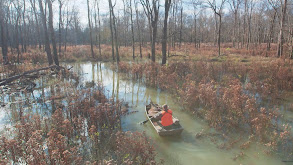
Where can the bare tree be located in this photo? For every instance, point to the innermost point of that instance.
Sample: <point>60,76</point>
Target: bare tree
<point>132,29</point>
<point>282,23</point>
<point>90,27</point>
<point>234,6</point>
<point>151,9</point>
<point>17,6</point>
<point>98,29</point>
<point>138,29</point>
<point>3,33</point>
<point>60,25</point>
<point>47,41</point>
<point>164,39</point>
<point>55,54</point>
<point>33,4</point>
<point>111,6</point>
<point>217,9</point>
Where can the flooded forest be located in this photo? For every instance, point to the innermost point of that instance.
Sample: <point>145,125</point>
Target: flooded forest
<point>79,81</point>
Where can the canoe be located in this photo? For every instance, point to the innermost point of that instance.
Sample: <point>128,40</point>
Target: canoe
<point>175,129</point>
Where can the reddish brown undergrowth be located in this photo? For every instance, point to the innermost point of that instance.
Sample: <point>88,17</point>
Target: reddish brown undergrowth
<point>232,97</point>
<point>85,126</point>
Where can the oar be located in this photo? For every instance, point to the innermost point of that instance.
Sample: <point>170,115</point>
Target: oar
<point>143,122</point>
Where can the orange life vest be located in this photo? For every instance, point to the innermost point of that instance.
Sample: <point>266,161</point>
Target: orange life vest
<point>167,119</point>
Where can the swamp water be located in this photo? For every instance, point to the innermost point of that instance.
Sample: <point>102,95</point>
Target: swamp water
<point>185,149</point>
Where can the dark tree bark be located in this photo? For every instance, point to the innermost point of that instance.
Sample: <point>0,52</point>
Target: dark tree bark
<point>280,37</point>
<point>33,4</point>
<point>132,30</point>
<point>152,12</point>
<point>218,12</point>
<point>181,26</point>
<point>3,35</point>
<point>115,31</point>
<point>47,42</point>
<point>17,28</point>
<point>55,54</point>
<point>164,39</point>
<point>60,26</point>
<point>111,29</point>
<point>90,27</point>
<point>138,29</point>
<point>99,31</point>
<point>269,40</point>
<point>24,31</point>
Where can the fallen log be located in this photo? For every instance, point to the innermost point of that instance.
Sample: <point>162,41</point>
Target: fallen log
<point>12,78</point>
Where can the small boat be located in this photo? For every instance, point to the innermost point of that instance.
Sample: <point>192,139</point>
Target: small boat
<point>175,129</point>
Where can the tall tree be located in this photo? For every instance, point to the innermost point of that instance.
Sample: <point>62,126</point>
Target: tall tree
<point>151,9</point>
<point>60,25</point>
<point>47,41</point>
<point>282,23</point>
<point>3,33</point>
<point>164,39</point>
<point>90,27</point>
<point>52,32</point>
<point>17,6</point>
<point>132,29</point>
<point>115,30</point>
<point>33,4</point>
<point>112,32</point>
<point>217,9</point>
<point>234,6</point>
<point>99,28</point>
<point>138,29</point>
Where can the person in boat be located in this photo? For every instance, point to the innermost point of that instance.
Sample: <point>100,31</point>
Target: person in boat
<point>165,115</point>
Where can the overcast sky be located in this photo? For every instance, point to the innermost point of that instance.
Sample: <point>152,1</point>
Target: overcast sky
<point>81,6</point>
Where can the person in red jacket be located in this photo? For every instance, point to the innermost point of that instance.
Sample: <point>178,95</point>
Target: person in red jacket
<point>165,115</point>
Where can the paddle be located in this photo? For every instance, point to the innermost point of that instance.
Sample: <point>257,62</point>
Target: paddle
<point>143,122</point>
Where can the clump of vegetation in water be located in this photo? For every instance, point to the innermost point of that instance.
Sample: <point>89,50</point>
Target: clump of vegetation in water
<point>84,126</point>
<point>232,97</point>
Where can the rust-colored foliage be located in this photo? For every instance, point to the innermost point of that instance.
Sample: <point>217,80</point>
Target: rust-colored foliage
<point>233,97</point>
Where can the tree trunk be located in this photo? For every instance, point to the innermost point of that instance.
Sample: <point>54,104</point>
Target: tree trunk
<point>99,31</point>
<point>24,33</point>
<point>154,30</point>
<point>115,34</point>
<point>17,37</point>
<point>138,29</point>
<point>3,36</point>
<point>181,26</point>
<point>195,32</point>
<point>132,31</point>
<point>90,27</point>
<point>60,26</point>
<point>271,31</point>
<point>111,29</point>
<point>164,39</point>
<point>33,4</point>
<point>219,35</point>
<point>47,42</point>
<point>280,37</point>
<point>55,55</point>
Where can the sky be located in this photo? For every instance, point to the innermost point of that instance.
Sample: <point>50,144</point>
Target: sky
<point>81,6</point>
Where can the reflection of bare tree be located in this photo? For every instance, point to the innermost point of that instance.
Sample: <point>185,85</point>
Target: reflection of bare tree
<point>132,93</point>
<point>101,72</point>
<point>52,90</point>
<point>117,87</point>
<point>93,72</point>
<point>113,90</point>
<point>137,99</point>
